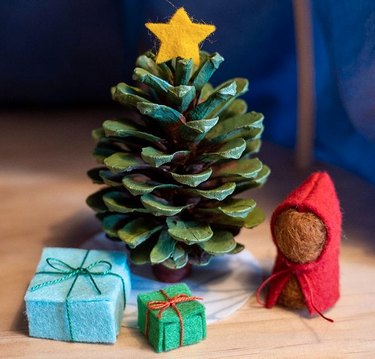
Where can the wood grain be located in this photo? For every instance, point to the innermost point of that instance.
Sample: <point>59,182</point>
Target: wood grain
<point>43,189</point>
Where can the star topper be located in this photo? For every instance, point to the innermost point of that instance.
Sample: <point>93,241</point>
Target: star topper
<point>180,37</point>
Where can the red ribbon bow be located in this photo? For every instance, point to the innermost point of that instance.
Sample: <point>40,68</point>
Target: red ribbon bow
<point>162,305</point>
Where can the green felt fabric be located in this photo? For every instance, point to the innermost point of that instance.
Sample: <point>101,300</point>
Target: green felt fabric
<point>94,317</point>
<point>164,333</point>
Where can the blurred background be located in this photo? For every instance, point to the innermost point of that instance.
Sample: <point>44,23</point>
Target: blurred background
<point>63,54</point>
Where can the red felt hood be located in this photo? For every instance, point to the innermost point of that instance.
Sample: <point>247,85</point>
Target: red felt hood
<point>319,280</point>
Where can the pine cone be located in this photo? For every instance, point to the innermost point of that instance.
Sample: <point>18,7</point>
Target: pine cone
<point>172,167</point>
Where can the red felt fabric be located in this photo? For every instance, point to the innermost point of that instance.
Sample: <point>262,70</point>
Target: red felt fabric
<point>319,280</point>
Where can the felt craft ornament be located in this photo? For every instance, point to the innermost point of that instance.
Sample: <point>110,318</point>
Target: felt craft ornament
<point>180,37</point>
<point>171,317</point>
<point>173,165</point>
<point>78,295</point>
<point>306,229</point>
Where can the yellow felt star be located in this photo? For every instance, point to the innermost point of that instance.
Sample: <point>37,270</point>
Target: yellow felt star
<point>180,37</point>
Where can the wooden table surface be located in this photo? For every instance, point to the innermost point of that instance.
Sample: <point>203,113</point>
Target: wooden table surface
<point>43,187</point>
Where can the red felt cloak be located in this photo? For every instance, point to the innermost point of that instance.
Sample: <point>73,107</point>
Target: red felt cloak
<point>319,280</point>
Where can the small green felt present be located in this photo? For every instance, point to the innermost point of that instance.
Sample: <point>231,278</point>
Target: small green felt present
<point>162,326</point>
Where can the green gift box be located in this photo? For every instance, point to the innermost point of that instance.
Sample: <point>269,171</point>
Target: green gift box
<point>171,317</point>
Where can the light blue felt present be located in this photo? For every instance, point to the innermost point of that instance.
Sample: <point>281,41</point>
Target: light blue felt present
<point>78,295</point>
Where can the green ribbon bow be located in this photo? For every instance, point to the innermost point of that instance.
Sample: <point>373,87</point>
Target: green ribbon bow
<point>67,272</point>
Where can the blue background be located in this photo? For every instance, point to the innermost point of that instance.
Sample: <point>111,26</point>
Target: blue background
<point>69,52</point>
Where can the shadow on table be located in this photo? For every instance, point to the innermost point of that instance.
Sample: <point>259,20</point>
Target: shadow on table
<point>19,323</point>
<point>74,231</point>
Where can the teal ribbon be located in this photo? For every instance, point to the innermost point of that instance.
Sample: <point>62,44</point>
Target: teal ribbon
<point>67,272</point>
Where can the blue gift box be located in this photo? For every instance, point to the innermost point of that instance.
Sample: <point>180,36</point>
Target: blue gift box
<point>78,295</point>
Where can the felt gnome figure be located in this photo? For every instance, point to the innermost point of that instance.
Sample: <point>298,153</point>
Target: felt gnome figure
<point>306,229</point>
